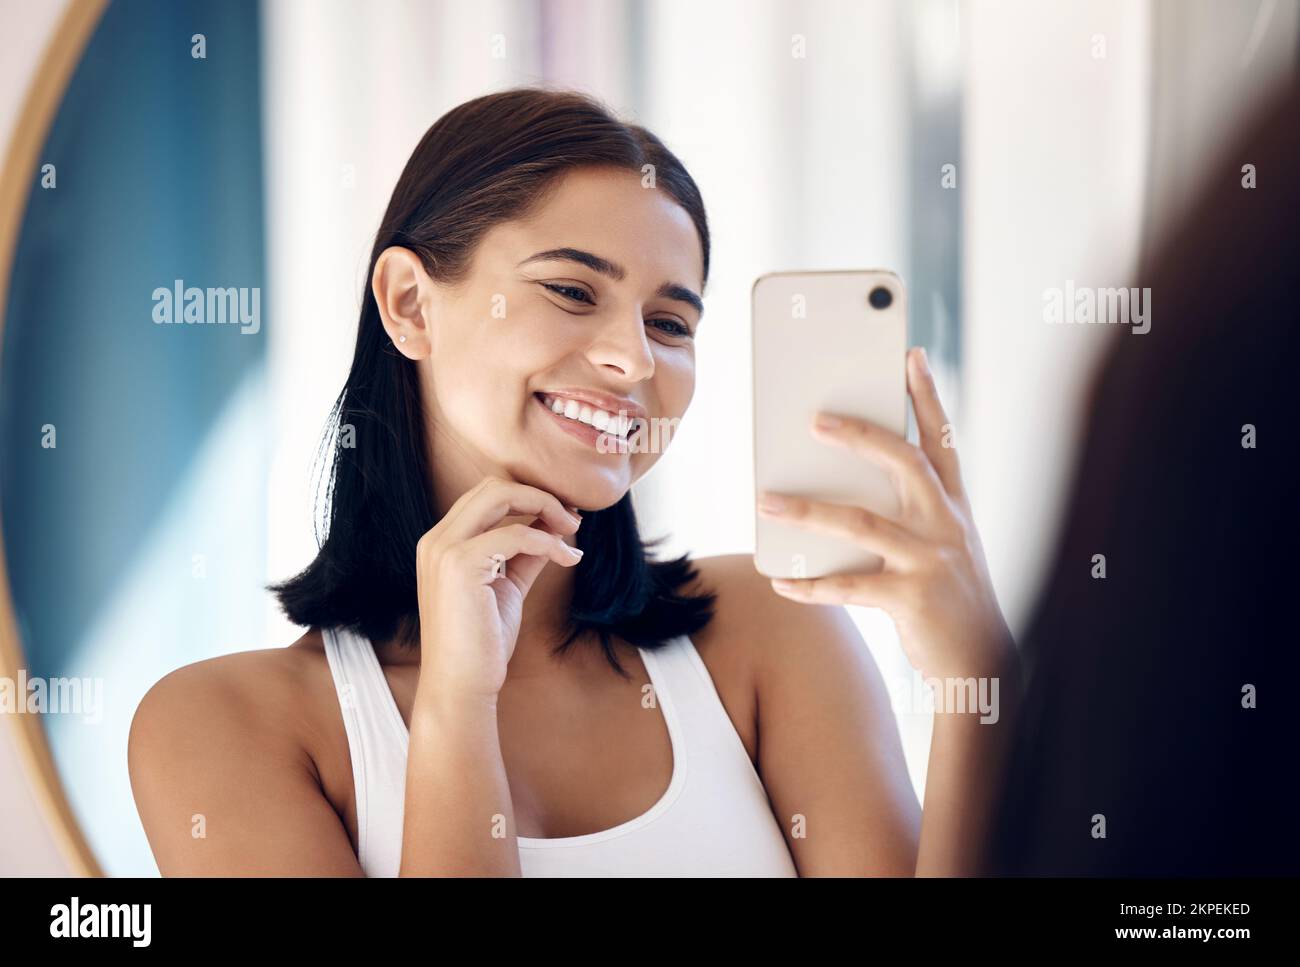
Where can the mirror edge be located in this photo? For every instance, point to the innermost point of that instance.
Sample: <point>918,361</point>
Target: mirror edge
<point>44,96</point>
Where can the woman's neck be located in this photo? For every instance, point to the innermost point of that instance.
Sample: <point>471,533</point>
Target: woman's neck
<point>545,620</point>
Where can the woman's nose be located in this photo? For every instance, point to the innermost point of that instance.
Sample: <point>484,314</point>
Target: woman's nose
<point>622,344</point>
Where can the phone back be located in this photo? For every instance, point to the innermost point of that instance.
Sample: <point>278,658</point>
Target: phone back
<point>820,344</point>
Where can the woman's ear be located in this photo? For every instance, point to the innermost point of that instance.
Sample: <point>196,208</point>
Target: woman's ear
<point>402,291</point>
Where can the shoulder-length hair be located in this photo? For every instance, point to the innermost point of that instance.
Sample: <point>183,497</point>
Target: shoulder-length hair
<point>486,161</point>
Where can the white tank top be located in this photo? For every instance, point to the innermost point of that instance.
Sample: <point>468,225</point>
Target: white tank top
<point>713,820</point>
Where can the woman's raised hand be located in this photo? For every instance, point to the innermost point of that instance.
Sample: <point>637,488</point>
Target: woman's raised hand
<point>472,576</point>
<point>935,582</point>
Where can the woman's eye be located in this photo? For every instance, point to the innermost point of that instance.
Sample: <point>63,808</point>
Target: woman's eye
<point>677,328</point>
<point>571,292</point>
<point>575,294</point>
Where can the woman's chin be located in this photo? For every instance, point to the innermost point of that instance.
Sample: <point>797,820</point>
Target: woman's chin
<point>588,488</point>
<point>586,498</point>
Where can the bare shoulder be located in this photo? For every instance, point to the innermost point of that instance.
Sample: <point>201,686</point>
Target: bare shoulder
<point>223,746</point>
<point>755,634</point>
<point>266,700</point>
<point>756,627</point>
<point>255,688</point>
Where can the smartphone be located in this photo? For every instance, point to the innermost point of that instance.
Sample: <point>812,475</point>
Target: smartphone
<point>836,341</point>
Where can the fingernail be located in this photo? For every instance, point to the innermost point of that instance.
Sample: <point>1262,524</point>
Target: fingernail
<point>771,501</point>
<point>575,551</point>
<point>828,422</point>
<point>925,361</point>
<point>573,512</point>
<point>782,584</point>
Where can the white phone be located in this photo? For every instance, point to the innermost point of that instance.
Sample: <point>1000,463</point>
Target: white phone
<point>834,341</point>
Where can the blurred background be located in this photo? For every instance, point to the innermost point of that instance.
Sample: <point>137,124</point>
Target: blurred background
<point>985,150</point>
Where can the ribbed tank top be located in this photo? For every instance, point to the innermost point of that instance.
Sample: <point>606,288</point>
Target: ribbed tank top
<point>714,819</point>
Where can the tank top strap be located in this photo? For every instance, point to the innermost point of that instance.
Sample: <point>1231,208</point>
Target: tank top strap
<point>703,720</point>
<point>376,744</point>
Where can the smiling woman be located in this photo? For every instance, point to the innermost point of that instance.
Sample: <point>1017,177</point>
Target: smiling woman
<point>535,284</point>
<point>473,280</point>
<point>535,287</point>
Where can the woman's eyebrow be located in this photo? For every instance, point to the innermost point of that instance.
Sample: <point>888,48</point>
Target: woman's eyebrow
<point>669,290</point>
<point>594,262</point>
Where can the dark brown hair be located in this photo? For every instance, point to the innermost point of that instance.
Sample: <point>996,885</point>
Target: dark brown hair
<point>490,160</point>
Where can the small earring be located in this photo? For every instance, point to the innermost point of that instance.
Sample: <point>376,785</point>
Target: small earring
<point>401,339</point>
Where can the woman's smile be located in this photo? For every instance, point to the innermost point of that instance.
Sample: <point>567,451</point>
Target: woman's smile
<point>597,429</point>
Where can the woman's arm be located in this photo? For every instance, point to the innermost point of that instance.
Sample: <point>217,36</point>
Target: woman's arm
<point>829,751</point>
<point>459,819</point>
<point>968,757</point>
<point>222,786</point>
<point>935,585</point>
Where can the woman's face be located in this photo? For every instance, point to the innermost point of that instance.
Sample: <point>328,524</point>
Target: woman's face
<point>591,303</point>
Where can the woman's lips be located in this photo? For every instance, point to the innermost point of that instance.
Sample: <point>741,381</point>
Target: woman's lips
<point>585,432</point>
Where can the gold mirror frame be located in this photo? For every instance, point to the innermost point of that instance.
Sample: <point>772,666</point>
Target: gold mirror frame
<point>44,97</point>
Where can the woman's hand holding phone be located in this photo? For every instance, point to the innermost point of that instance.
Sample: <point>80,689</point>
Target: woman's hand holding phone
<point>470,611</point>
<point>935,582</point>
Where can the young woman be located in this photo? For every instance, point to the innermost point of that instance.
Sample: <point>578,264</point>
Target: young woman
<point>494,685</point>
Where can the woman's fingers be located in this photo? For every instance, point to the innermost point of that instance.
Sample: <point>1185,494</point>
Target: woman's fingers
<point>868,590</point>
<point>937,440</point>
<point>863,527</point>
<point>485,556</point>
<point>484,506</point>
<point>909,465</point>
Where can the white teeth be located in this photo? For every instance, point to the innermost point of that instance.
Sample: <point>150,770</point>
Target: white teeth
<point>592,416</point>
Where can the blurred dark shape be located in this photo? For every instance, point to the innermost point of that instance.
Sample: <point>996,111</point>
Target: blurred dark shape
<point>1134,706</point>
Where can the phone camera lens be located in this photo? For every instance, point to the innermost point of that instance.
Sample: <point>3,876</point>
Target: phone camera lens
<point>880,297</point>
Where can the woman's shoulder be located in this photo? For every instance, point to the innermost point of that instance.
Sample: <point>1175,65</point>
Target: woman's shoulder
<point>249,679</point>
<point>748,613</point>
<point>756,633</point>
<point>263,699</point>
<point>224,759</point>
